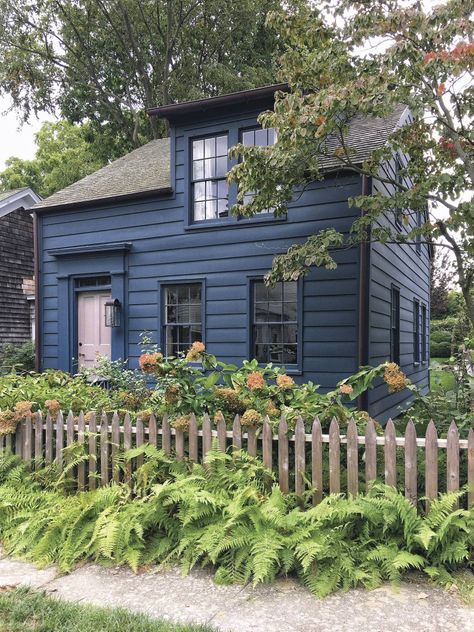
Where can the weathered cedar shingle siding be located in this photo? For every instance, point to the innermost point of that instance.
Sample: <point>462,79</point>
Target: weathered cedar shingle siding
<point>16,264</point>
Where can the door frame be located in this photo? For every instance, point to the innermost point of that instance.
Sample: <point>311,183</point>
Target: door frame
<point>77,263</point>
<point>75,312</point>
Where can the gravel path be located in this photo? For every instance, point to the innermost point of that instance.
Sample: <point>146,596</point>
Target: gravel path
<point>284,606</point>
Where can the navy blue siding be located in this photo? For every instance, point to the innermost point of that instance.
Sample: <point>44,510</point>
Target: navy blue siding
<point>399,265</point>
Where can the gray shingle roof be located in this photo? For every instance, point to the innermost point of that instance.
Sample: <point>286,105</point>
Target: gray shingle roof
<point>4,195</point>
<point>148,168</point>
<point>144,169</point>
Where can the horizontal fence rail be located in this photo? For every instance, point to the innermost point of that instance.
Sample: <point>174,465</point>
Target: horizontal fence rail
<point>299,459</point>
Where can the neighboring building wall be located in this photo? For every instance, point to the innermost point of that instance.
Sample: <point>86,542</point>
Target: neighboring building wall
<point>16,274</point>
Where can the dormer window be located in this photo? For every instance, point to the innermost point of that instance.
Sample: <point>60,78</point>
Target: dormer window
<point>210,191</point>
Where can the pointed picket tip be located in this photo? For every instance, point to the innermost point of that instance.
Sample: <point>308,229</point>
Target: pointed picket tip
<point>299,427</point>
<point>431,430</point>
<point>192,420</point>
<point>283,426</point>
<point>410,429</point>
<point>317,432</point>
<point>334,426</point>
<point>390,425</point>
<point>236,424</point>
<point>453,429</point>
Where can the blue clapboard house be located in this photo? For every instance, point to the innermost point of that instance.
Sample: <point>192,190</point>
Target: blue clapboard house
<point>147,244</point>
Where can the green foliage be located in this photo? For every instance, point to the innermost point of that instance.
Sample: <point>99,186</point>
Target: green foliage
<point>17,357</point>
<point>64,155</point>
<point>23,609</point>
<point>335,73</point>
<point>231,515</point>
<point>107,62</point>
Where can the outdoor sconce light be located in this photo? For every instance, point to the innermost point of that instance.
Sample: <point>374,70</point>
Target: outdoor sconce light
<point>113,313</point>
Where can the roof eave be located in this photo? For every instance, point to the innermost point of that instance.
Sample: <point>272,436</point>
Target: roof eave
<point>104,201</point>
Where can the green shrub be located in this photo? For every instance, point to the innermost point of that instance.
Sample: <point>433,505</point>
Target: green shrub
<point>17,357</point>
<point>231,515</point>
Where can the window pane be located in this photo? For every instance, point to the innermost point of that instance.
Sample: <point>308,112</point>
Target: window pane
<point>223,190</point>
<point>199,191</point>
<point>261,137</point>
<point>289,311</point>
<point>222,146</point>
<point>290,333</point>
<point>198,149</point>
<point>195,313</point>
<point>198,170</point>
<point>210,147</point>
<point>171,296</point>
<point>221,167</point>
<point>211,190</point>
<point>199,210</point>
<point>222,208</point>
<point>211,209</point>
<point>195,293</point>
<point>182,314</point>
<point>183,293</point>
<point>171,314</point>
<point>290,289</point>
<point>248,138</point>
<point>289,354</point>
<point>261,291</point>
<point>261,312</point>
<point>271,136</point>
<point>274,312</point>
<point>210,168</point>
<point>275,292</point>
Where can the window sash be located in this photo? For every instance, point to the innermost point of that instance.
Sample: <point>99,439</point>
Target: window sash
<point>395,326</point>
<point>209,167</point>
<point>424,334</point>
<point>416,331</point>
<point>181,331</point>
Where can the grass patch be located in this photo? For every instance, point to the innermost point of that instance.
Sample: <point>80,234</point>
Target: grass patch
<point>441,381</point>
<point>23,610</point>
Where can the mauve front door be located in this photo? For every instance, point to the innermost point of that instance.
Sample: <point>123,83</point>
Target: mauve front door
<point>92,335</point>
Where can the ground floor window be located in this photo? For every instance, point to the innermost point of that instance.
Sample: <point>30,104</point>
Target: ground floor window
<point>395,326</point>
<point>424,334</point>
<point>182,316</point>
<point>416,331</point>
<point>275,322</point>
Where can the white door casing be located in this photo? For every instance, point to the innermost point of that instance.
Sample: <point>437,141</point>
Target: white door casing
<point>92,335</point>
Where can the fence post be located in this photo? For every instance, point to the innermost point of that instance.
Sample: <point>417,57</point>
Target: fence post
<point>92,451</point>
<point>334,458</point>
<point>431,464</point>
<point>81,467</point>
<point>283,456</point>
<point>115,447</point>
<point>452,459</point>
<point>59,440</point>
<point>370,454</point>
<point>193,438</point>
<point>317,461</point>
<point>352,459</point>
<point>300,457</point>
<point>390,454</point>
<point>411,479</point>
<point>267,444</point>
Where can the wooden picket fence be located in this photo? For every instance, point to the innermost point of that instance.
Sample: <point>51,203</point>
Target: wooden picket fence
<point>296,458</point>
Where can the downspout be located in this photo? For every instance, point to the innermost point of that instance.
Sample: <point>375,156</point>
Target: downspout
<point>37,291</point>
<point>363,328</point>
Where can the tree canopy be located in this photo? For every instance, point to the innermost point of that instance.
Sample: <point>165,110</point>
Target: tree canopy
<point>64,155</point>
<point>106,61</point>
<point>367,57</point>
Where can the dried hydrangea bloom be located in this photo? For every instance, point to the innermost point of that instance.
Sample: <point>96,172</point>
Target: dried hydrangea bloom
<point>8,422</point>
<point>181,423</point>
<point>271,409</point>
<point>230,400</point>
<point>145,415</point>
<point>345,389</point>
<point>149,361</point>
<point>195,351</point>
<point>23,409</point>
<point>250,418</point>
<point>394,378</point>
<point>172,393</point>
<point>255,381</point>
<point>53,406</point>
<point>285,382</point>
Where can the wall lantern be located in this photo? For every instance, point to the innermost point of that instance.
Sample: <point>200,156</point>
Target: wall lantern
<point>113,313</point>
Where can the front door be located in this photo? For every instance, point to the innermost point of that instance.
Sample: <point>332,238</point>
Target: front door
<point>92,335</point>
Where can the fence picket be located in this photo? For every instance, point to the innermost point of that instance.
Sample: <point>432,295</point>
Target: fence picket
<point>206,435</point>
<point>470,468</point>
<point>283,473</point>
<point>81,467</point>
<point>28,439</point>
<point>38,440</point>
<point>179,443</point>
<point>221,433</point>
<point>237,433</point>
<point>127,445</point>
<point>152,431</point>
<point>267,444</point>
<point>104,450</point>
<point>370,454</point>
<point>166,435</point>
<point>390,454</point>
<point>115,448</point>
<point>252,440</point>
<point>48,452</point>
<point>317,461</point>
<point>59,440</point>
<point>140,440</point>
<point>9,443</point>
<point>352,459</point>
<point>92,451</point>
<point>334,458</point>
<point>69,433</point>
<point>431,464</point>
<point>300,462</point>
<point>452,459</point>
<point>410,463</point>
<point>193,438</point>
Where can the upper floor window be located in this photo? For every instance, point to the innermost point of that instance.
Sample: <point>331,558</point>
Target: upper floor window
<point>399,214</point>
<point>210,191</point>
<point>275,322</point>
<point>182,317</point>
<point>258,138</point>
<point>395,326</point>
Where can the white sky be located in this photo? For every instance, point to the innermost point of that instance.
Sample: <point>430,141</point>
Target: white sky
<point>16,139</point>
